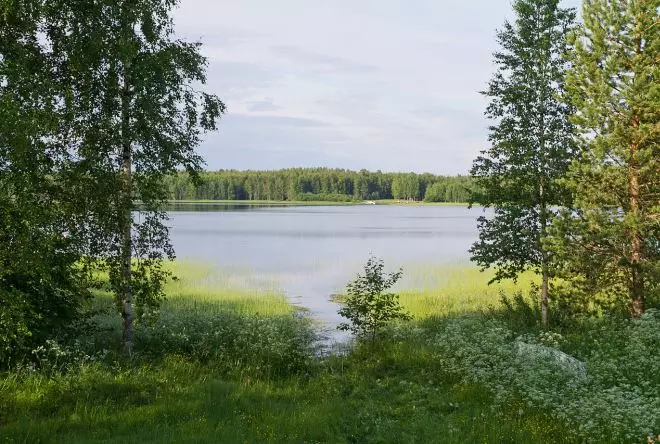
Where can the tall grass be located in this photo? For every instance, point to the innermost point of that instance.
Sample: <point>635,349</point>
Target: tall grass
<point>455,289</point>
<point>202,289</point>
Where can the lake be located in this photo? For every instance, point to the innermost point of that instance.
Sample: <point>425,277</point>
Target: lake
<point>312,252</point>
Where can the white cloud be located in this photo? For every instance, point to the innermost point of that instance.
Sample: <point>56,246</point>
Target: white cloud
<point>379,84</point>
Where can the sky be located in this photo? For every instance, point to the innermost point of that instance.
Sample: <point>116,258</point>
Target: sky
<point>387,85</point>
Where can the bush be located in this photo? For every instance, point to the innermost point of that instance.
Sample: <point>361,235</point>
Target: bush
<point>15,331</point>
<point>368,306</point>
<point>37,306</point>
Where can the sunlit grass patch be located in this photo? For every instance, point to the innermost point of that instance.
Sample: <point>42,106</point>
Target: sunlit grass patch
<point>201,288</point>
<point>455,289</point>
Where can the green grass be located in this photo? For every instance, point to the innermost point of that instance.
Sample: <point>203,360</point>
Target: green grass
<point>235,365</point>
<point>200,288</point>
<point>401,396</point>
<point>454,290</point>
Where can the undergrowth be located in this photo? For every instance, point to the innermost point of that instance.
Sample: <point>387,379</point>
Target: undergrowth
<point>223,365</point>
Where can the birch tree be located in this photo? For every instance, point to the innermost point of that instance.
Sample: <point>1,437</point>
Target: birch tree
<point>531,144</point>
<point>131,115</point>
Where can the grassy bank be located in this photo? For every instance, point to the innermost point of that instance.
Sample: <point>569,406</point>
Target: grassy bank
<point>420,203</point>
<point>265,202</point>
<point>316,203</point>
<point>227,365</point>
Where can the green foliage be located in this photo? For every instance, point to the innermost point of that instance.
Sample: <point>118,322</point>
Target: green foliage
<point>606,386</point>
<point>368,306</point>
<point>332,185</point>
<point>42,284</point>
<point>401,394</point>
<point>98,101</point>
<point>436,193</point>
<point>244,345</point>
<point>483,377</point>
<point>323,197</point>
<point>15,332</point>
<point>531,140</point>
<point>406,186</point>
<point>608,242</point>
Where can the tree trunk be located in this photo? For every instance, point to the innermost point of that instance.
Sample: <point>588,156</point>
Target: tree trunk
<point>544,265</point>
<point>544,294</point>
<point>543,220</point>
<point>637,243</point>
<point>126,220</point>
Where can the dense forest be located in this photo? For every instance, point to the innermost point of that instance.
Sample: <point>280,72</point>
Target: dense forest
<point>319,184</point>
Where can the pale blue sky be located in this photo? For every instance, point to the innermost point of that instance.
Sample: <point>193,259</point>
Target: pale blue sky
<point>375,84</point>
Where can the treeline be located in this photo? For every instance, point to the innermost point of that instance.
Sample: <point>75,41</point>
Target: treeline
<point>321,184</point>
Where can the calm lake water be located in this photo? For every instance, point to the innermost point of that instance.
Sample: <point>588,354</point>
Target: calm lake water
<point>312,252</point>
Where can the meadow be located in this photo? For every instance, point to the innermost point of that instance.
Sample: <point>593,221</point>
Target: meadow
<point>237,365</point>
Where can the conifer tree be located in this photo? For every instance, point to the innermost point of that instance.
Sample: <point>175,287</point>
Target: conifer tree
<point>610,241</point>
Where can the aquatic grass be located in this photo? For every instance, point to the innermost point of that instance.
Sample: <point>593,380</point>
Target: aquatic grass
<point>201,288</point>
<point>455,289</point>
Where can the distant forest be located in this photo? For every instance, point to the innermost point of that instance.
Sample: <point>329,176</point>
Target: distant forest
<point>319,184</point>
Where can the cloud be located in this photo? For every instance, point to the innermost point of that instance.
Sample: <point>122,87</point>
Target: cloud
<point>262,105</point>
<point>378,84</point>
<point>322,62</point>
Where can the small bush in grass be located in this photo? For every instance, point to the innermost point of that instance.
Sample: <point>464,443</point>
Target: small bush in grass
<point>369,306</point>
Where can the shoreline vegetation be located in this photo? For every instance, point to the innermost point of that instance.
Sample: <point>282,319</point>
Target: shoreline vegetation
<point>318,184</point>
<point>315,202</point>
<point>223,364</point>
<point>105,338</point>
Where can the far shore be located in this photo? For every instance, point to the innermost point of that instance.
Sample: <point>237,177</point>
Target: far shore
<point>320,203</point>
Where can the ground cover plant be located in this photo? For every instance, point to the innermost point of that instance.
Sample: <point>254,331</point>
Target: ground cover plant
<point>239,366</point>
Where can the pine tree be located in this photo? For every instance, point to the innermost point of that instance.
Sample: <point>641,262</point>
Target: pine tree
<point>610,241</point>
<point>531,144</point>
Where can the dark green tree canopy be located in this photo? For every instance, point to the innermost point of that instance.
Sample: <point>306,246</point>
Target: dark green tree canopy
<point>610,239</point>
<point>105,100</point>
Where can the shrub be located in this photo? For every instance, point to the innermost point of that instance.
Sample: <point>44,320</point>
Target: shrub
<point>35,306</point>
<point>369,306</point>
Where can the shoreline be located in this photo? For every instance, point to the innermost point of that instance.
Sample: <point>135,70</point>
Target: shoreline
<point>318,203</point>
